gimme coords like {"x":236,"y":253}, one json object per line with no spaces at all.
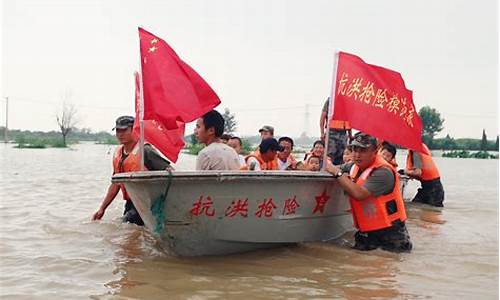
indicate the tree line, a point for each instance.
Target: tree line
{"x":433,"y":124}
{"x":41,"y":139}
{"x":431,"y":120}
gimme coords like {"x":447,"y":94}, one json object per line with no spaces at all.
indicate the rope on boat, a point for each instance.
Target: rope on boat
{"x":158,"y":205}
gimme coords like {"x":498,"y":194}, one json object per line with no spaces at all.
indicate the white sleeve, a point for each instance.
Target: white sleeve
{"x":253,"y":160}
{"x":202,"y":162}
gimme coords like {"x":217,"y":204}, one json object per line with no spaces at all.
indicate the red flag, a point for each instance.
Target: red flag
{"x":168,"y":141}
{"x":375,"y":100}
{"x":173,"y":91}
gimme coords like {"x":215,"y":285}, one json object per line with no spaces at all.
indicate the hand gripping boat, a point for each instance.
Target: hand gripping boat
{"x":224,"y":212}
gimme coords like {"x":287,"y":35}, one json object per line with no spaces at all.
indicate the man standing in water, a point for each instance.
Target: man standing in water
{"x":338,"y":134}
{"x":127,"y":158}
{"x":216,"y":155}
{"x":266,"y":132}
{"x":376,"y":201}
{"x":422,"y":167}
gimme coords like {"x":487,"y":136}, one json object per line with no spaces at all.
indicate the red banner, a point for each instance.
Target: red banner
{"x":167,"y":141}
{"x":173,"y":91}
{"x":376,"y":101}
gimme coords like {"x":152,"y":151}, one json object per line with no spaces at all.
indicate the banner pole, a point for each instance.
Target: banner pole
{"x":331,"y":103}
{"x":141,"y":122}
{"x":141,"y":109}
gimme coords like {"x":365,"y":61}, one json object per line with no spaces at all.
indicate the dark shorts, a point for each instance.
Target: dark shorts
{"x":394,"y":239}
{"x":337,"y":142}
{"x":431,"y":193}
{"x":130,"y":214}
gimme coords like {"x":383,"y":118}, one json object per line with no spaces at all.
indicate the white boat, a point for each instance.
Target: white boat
{"x":224,"y":212}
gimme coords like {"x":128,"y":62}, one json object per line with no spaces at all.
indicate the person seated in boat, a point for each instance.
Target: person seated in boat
{"x":266,"y":132}
{"x":236,"y":144}
{"x":127,"y":158}
{"x":317,"y":150}
{"x":347,"y":156}
{"x":285,"y":158}
{"x":313,"y":163}
{"x":377,"y":204}
{"x":422,"y":167}
{"x":225,"y":138}
{"x":388,"y":152}
{"x":216,"y":155}
{"x":264,"y":158}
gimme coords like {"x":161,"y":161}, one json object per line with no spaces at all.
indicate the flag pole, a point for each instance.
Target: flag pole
{"x":331,"y":102}
{"x":141,"y":109}
{"x":141,"y":121}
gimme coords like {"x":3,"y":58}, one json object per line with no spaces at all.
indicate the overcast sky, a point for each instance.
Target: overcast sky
{"x":269,"y":61}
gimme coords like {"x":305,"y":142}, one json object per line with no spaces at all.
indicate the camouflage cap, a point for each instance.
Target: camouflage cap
{"x":267,"y":128}
{"x":363,"y":140}
{"x":124,"y":122}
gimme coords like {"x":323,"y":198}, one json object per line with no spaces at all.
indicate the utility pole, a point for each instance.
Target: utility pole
{"x":5,"y":135}
{"x":306,"y":120}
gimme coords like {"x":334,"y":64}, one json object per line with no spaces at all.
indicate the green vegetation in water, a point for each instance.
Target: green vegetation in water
{"x":468,"y":154}
{"x":108,"y":141}
{"x":38,"y":143}
{"x":41,"y":140}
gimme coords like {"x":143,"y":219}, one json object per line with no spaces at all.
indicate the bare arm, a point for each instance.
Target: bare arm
{"x":414,"y":173}
{"x":110,"y":196}
{"x":355,"y":191}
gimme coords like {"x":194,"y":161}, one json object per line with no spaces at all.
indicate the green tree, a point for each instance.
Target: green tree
{"x":229,"y":121}
{"x":432,"y":123}
{"x":484,"y":142}
{"x":448,"y":143}
{"x":496,"y":145}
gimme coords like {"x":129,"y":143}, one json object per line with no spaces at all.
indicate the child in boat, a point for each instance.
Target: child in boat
{"x":388,"y":152}
{"x":318,"y":150}
{"x":313,"y":163}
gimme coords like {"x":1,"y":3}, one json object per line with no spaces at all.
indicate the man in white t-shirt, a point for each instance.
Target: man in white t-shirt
{"x":285,"y":158}
{"x":216,"y":155}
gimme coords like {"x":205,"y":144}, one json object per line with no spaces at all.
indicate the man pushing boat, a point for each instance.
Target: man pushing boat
{"x":377,"y":204}
{"x":127,"y":158}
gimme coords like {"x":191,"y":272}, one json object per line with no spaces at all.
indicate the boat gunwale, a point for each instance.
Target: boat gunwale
{"x":221,"y":175}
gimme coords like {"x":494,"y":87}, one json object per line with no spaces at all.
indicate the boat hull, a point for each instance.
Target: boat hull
{"x":216,"y":213}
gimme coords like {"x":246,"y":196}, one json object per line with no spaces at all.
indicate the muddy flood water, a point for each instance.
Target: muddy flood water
{"x":49,"y":248}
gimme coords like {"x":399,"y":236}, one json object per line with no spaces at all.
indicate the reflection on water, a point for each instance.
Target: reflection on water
{"x":50,"y":250}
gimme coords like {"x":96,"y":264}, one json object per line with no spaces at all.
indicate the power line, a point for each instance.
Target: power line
{"x":31,"y":100}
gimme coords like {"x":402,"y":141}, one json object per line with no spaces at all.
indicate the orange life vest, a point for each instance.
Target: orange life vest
{"x":271,"y":165}
{"x":394,"y":163}
{"x":131,"y":163}
{"x":340,"y":125}
{"x":371,"y":213}
{"x":429,"y":169}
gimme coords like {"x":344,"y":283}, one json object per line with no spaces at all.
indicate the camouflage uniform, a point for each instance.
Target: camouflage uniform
{"x":337,"y":142}
{"x":394,"y":238}
{"x":431,"y":193}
